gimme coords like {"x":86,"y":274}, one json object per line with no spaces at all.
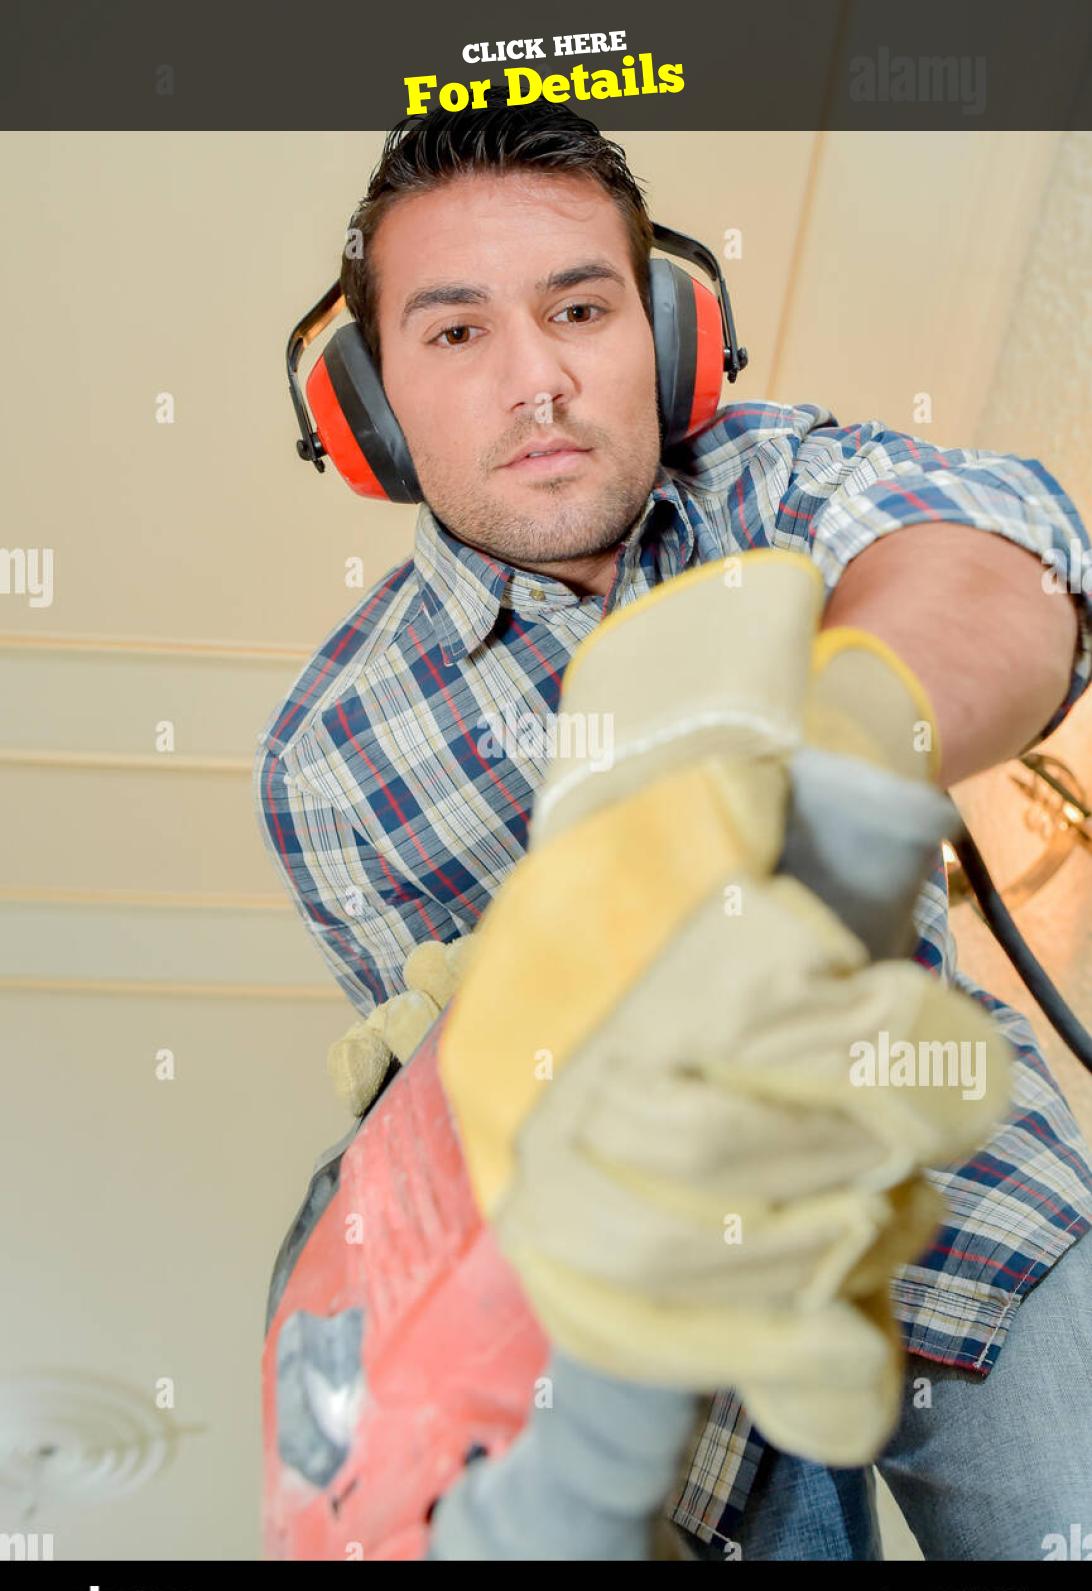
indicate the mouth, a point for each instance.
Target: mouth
{"x":550,"y":461}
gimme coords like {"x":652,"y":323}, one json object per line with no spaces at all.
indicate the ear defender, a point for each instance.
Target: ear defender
{"x":355,"y":426}
{"x":686,"y":330}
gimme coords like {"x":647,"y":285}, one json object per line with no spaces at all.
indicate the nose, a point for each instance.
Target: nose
{"x":536,"y":372}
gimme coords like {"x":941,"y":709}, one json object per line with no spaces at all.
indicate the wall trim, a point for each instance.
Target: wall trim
{"x":169,"y":900}
{"x":305,"y":992}
{"x":147,"y":646}
{"x":126,"y":761}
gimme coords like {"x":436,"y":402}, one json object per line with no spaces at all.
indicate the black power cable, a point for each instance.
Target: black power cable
{"x":1015,"y":946}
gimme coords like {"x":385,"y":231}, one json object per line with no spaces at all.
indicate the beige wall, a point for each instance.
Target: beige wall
{"x":139,"y":911}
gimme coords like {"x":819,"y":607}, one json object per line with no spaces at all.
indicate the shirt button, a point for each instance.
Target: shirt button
{"x":538,"y":593}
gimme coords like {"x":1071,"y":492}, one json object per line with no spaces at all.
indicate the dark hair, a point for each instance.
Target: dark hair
{"x":420,"y":152}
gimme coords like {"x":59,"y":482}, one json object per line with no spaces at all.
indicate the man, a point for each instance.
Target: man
{"x":502,"y":291}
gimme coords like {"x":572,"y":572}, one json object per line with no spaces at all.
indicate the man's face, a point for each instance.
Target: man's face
{"x":509,"y":319}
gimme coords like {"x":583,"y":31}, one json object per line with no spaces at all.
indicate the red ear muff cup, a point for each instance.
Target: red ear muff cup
{"x":356,"y":424}
{"x":709,"y":362}
{"x":337,"y":437}
{"x":686,"y":330}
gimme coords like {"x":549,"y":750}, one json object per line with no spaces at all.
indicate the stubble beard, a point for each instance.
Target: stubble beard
{"x":568,"y":526}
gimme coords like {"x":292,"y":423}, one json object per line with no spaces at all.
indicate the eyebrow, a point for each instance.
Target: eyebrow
{"x":468,"y":293}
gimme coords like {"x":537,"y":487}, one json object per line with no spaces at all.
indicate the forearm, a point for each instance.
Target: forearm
{"x":971,"y":614}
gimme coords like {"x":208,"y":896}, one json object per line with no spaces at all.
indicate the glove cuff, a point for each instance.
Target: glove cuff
{"x":867,"y":702}
{"x":715,"y":662}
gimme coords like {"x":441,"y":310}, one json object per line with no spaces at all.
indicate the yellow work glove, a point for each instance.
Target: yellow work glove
{"x":358,"y":1062}
{"x":702,"y":687}
{"x":649,"y":1058}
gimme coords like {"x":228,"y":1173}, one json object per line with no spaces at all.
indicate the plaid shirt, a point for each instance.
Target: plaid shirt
{"x":391,"y":827}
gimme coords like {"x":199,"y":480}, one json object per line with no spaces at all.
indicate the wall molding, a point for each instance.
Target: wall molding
{"x":168,"y":900}
{"x":148,"y":646}
{"x":124,"y":761}
{"x":307,"y":992}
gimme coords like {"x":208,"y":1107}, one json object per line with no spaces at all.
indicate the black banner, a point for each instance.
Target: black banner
{"x":627,"y":64}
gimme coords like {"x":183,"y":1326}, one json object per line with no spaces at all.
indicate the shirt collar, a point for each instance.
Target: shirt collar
{"x":463,"y":589}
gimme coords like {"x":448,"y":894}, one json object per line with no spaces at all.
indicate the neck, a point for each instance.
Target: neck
{"x":591,"y":576}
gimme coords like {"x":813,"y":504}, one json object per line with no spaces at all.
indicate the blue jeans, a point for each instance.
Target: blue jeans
{"x":991,"y":1470}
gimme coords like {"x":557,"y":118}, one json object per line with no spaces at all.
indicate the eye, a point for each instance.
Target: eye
{"x":593,"y":312}
{"x":596,"y":308}
{"x":448,"y":330}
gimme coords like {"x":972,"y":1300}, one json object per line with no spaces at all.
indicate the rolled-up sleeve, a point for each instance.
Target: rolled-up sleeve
{"x":852,"y":484}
